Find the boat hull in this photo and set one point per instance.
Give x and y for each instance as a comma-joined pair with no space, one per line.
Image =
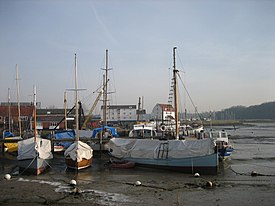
122,164
59,148
225,153
34,166
13,146
73,164
204,164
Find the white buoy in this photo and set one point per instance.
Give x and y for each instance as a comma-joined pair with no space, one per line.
254,173
73,182
196,175
138,183
7,176
209,184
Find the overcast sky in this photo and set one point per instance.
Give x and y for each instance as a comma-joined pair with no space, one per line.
226,50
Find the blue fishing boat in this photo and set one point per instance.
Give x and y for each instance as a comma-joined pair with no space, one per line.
223,147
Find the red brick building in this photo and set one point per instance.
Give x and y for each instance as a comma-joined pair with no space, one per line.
46,119
9,116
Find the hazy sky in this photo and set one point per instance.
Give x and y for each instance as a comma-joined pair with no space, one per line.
226,50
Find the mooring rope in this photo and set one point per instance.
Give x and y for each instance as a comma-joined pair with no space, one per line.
253,173
27,166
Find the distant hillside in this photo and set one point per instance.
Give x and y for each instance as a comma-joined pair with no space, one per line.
262,111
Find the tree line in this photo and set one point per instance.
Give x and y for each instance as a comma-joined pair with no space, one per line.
262,111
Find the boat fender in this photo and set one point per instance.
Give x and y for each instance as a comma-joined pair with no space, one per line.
72,182
209,184
196,175
138,183
7,176
254,173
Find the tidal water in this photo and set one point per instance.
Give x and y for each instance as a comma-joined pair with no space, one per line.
254,146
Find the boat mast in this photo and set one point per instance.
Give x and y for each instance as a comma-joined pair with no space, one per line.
9,103
175,71
76,101
65,110
34,112
105,90
139,109
18,103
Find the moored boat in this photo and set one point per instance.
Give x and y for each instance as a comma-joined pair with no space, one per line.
143,130
121,164
11,146
34,153
189,155
223,147
79,154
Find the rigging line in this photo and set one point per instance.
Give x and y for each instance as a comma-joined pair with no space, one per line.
196,110
180,103
180,61
169,85
86,99
28,166
114,85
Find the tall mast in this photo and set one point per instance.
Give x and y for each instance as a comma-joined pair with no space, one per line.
34,112
175,71
18,103
9,103
138,112
105,90
76,101
65,110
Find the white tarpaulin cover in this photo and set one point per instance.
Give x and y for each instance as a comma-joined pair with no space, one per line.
79,150
148,148
28,149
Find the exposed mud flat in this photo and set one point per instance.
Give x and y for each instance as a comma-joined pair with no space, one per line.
236,184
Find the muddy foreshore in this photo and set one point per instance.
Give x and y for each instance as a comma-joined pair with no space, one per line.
101,185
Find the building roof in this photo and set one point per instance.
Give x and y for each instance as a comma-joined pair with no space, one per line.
166,107
120,107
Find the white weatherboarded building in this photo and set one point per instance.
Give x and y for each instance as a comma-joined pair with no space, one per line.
121,113
163,112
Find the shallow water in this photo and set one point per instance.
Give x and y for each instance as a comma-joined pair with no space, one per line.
254,146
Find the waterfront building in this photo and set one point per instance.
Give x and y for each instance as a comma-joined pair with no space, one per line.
120,113
163,112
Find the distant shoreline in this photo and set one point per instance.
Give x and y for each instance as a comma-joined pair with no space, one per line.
235,122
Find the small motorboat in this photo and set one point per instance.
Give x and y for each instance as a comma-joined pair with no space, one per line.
122,164
223,147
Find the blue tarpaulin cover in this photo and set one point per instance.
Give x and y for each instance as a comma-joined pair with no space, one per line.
63,135
100,129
